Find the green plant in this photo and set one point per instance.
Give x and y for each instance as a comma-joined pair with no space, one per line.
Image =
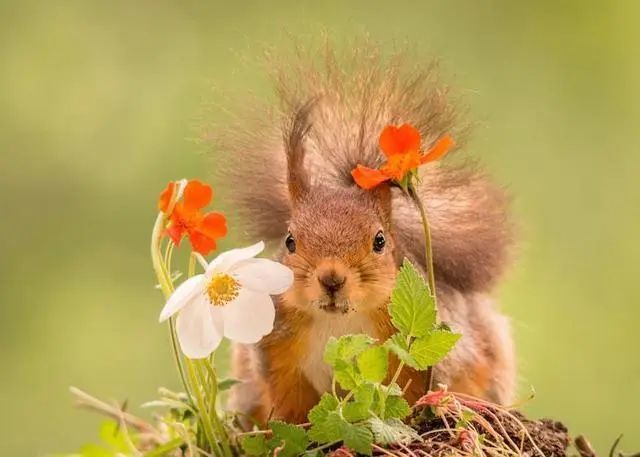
366,405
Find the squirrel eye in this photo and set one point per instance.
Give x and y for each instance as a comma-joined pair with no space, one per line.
379,241
290,243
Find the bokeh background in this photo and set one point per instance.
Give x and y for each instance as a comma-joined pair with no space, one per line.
98,104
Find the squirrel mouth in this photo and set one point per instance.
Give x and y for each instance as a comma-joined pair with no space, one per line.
332,307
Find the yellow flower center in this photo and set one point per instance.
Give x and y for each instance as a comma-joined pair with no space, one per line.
222,289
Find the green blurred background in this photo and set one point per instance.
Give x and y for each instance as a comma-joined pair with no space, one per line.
98,102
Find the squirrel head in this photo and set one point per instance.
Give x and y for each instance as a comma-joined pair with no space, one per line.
340,248
339,242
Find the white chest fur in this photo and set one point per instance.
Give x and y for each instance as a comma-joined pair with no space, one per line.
326,325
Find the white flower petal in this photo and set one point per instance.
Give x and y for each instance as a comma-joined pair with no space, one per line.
249,317
229,258
197,332
181,296
218,317
263,275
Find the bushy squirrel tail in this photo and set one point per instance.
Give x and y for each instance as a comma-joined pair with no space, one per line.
354,96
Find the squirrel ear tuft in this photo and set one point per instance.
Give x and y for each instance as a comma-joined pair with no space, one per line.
382,195
294,136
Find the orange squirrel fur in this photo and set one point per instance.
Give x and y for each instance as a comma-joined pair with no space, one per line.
291,174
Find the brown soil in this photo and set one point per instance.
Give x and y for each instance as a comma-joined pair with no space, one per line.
494,431
550,437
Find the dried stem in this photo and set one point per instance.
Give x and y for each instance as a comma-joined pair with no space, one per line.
85,400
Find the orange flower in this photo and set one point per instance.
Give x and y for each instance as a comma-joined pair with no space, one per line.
401,147
187,218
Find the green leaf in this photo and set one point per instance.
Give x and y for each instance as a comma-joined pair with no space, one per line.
313,453
429,350
396,408
355,412
328,430
392,431
254,445
294,438
373,363
465,418
391,389
364,393
319,413
381,398
111,434
357,437
93,450
346,348
412,307
227,384
398,345
359,409
347,375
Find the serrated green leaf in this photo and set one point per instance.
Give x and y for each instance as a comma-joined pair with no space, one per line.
396,408
381,399
332,351
294,438
398,345
430,349
346,348
357,437
327,430
254,445
355,412
364,393
412,307
391,389
392,431
359,408
373,363
319,413
347,375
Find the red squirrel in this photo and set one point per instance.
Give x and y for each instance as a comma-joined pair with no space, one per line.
291,174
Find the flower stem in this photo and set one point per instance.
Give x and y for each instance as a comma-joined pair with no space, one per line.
428,262
203,411
394,379
213,413
163,275
192,265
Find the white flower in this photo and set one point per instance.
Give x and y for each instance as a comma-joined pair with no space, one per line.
232,299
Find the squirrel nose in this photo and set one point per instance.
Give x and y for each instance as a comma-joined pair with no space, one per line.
332,281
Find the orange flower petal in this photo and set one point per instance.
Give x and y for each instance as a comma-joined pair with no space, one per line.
401,164
213,225
175,232
165,197
201,243
441,147
368,178
196,195
397,140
